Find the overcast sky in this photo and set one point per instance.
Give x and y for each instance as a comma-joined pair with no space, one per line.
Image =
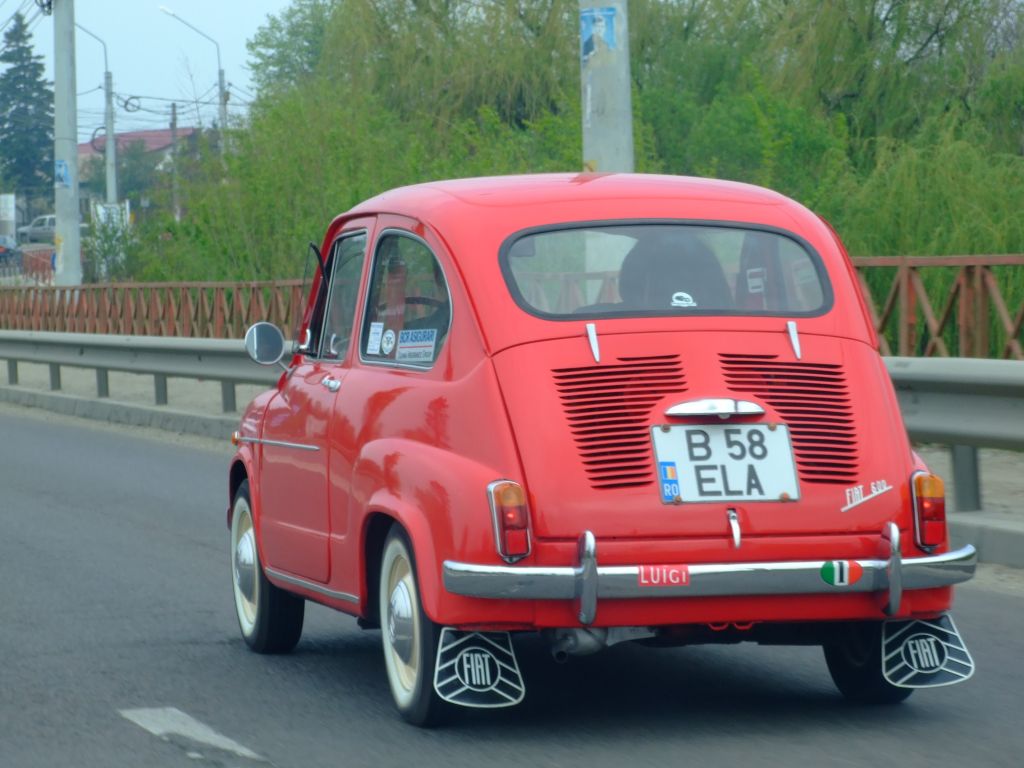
154,56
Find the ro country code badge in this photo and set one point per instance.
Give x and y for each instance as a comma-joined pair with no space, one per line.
668,479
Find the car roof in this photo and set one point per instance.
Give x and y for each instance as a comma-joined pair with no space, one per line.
542,190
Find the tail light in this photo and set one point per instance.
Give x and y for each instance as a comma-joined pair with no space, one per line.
511,517
929,509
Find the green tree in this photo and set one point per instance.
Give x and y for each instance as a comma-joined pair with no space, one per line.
26,115
286,51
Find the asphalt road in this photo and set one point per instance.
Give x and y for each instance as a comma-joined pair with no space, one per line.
116,624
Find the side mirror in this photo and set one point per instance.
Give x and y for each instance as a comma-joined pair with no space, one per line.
265,343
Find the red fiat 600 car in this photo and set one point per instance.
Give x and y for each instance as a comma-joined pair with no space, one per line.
602,407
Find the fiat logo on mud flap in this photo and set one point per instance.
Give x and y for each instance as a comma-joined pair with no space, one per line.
477,669
924,653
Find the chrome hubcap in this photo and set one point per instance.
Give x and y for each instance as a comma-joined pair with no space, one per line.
401,619
245,566
400,622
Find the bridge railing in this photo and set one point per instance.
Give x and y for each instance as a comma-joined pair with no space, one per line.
927,306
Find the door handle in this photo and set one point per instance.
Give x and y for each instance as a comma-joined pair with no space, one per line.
332,384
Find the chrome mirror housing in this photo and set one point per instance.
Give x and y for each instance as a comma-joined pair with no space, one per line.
265,343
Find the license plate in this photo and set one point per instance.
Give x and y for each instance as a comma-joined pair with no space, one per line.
722,462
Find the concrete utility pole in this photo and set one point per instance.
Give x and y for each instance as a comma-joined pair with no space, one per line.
110,147
65,131
605,81
222,94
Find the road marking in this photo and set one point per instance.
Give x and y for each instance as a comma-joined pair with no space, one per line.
167,721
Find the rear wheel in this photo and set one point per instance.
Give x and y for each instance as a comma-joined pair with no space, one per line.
409,637
269,618
855,662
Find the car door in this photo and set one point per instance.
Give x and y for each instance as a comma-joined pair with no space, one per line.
294,514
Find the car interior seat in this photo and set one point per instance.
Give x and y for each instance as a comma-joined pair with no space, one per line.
680,272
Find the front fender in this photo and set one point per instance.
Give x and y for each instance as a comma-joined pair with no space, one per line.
244,463
440,499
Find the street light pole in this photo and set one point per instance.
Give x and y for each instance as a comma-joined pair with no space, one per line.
222,95
110,148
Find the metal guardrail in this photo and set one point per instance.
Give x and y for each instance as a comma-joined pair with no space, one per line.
961,402
965,403
223,360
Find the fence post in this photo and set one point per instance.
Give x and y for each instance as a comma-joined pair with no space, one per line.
967,485
102,382
160,387
54,376
12,372
227,397
908,314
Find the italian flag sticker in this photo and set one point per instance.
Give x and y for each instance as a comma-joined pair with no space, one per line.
841,573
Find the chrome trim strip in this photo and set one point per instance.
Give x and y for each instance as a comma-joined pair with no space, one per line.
595,349
794,337
723,407
295,581
706,580
278,443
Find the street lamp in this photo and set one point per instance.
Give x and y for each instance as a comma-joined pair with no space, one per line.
110,149
222,93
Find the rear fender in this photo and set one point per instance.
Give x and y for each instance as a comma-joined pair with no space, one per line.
439,498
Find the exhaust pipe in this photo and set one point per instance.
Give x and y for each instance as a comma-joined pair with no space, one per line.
576,642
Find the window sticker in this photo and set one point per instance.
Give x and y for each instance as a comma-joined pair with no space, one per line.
681,299
805,274
416,345
387,342
755,280
373,342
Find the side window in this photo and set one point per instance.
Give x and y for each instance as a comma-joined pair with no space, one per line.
408,311
339,316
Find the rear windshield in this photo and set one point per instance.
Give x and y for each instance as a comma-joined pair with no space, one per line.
663,269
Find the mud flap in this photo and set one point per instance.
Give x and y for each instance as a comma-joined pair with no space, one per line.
924,654
477,669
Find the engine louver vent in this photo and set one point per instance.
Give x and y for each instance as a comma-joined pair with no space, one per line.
815,402
609,408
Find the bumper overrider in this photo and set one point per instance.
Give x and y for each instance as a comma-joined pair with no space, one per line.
586,581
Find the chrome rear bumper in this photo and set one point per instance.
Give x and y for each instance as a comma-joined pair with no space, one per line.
587,581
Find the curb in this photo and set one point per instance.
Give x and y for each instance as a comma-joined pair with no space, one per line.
999,541
182,422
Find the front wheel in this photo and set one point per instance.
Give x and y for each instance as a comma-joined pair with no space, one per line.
269,618
855,662
409,637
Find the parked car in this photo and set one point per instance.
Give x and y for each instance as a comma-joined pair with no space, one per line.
40,230
604,408
43,229
10,254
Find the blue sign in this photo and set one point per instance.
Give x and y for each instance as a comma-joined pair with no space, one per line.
61,174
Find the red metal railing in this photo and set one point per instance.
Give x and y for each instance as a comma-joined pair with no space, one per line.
969,306
191,310
937,306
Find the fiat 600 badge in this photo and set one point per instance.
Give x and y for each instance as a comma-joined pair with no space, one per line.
602,408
